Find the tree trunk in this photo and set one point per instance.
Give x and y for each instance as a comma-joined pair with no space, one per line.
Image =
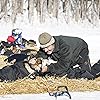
50,6
43,6
3,9
31,10
20,6
14,11
55,8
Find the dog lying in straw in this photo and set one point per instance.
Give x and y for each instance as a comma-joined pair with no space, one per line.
30,67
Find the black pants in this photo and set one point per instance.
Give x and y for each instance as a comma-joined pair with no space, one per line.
84,68
13,72
84,61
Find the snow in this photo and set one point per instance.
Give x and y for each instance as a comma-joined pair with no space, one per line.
91,34
74,96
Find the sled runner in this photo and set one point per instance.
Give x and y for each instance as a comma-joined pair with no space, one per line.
61,93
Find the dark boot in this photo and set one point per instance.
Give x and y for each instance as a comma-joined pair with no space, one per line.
95,69
86,74
86,66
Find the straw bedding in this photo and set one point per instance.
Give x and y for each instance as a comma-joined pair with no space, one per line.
46,84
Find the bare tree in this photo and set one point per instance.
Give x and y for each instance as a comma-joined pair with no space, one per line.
3,8
43,6
14,10
20,6
72,9
3,4
98,8
31,10
64,5
50,6
38,7
17,7
55,8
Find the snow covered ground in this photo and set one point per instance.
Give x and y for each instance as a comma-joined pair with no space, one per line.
89,33
75,96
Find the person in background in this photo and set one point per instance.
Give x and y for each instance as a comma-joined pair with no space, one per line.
16,37
17,34
15,40
70,56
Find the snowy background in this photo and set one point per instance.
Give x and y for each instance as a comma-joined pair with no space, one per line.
74,95
90,33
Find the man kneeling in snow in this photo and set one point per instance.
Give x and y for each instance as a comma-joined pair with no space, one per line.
68,52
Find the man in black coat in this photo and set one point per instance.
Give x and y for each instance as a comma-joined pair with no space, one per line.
67,52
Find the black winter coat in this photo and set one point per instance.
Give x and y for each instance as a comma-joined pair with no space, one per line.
66,53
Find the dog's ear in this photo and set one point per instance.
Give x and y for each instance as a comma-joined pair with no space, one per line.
24,40
32,42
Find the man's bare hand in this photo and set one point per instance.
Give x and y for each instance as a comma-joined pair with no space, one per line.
44,69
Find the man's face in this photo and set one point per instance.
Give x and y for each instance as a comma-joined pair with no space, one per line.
49,49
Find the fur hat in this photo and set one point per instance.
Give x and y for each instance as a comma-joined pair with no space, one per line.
45,39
